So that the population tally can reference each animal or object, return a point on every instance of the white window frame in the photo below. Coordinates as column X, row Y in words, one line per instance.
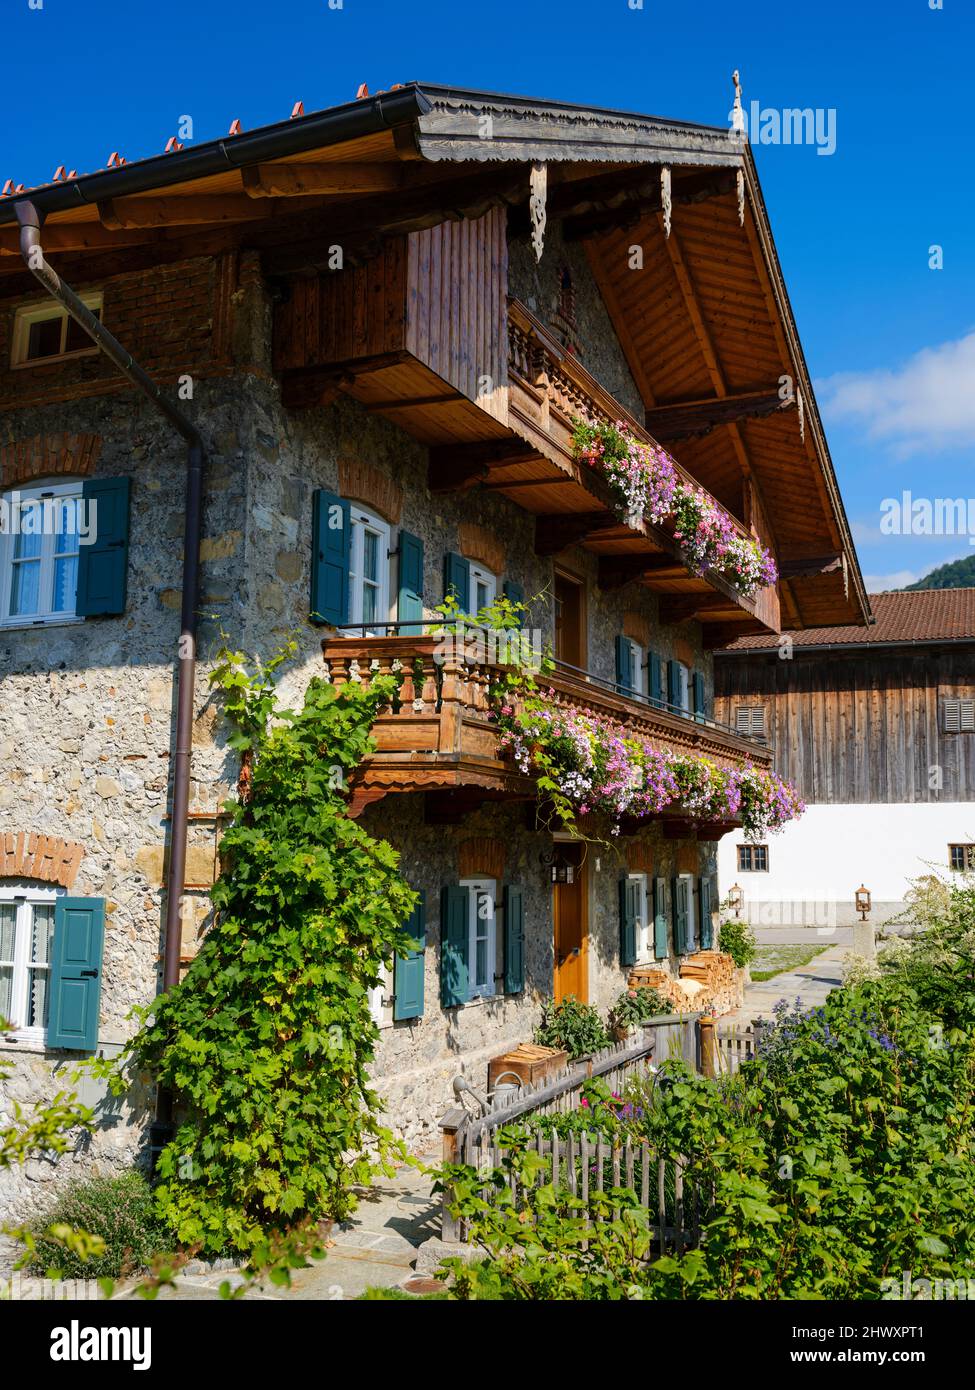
column 362, row 521
column 46, row 616
column 478, row 890
column 26, row 897
column 29, row 314
column 640, row 672
column 480, row 574
column 644, row 935
column 684, row 694
column 693, row 932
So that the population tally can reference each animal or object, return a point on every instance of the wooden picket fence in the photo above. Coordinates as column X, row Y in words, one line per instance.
column 734, row 1044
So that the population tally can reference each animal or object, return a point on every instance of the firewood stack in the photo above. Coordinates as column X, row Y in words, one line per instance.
column 708, row 980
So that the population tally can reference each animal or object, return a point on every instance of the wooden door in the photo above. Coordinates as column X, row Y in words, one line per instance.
column 570, row 644
column 569, row 916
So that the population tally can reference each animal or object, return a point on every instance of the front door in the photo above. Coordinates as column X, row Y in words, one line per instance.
column 571, row 930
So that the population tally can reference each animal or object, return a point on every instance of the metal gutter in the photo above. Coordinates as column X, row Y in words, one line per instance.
column 364, row 116
column 31, row 220
column 799, row 647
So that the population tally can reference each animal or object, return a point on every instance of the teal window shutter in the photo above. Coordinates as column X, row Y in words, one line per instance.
column 673, row 683
column 656, row 681
column 678, row 890
column 704, row 899
column 700, row 709
column 454, row 939
column 103, row 566
column 331, row 544
column 514, row 593
column 408, row 969
column 660, row 918
column 409, row 608
column 514, row 940
column 625, row 674
column 629, row 909
column 457, row 577
column 76, row 968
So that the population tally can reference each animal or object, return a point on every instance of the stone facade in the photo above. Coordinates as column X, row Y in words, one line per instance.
column 87, row 708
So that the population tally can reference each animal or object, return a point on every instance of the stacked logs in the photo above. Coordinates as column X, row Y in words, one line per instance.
column 708, row 980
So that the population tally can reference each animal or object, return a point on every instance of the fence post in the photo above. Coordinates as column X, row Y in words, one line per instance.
column 708, row 1044
column 449, row 1125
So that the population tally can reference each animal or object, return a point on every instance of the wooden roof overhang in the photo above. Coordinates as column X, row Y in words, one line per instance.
column 706, row 327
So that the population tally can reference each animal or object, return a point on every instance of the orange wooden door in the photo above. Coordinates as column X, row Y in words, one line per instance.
column 571, row 938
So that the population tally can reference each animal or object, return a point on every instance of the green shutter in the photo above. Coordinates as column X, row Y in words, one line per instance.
column 514, row 593
column 673, row 683
column 514, row 940
column 408, row 969
column 629, row 898
column 655, row 669
column 660, row 918
column 76, row 967
column 457, row 578
column 704, row 899
column 625, row 675
column 700, row 709
column 410, row 605
column 454, row 939
column 103, row 565
column 331, row 543
column 678, row 893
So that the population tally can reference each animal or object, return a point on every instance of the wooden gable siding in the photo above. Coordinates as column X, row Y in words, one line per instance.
column 860, row 727
column 438, row 296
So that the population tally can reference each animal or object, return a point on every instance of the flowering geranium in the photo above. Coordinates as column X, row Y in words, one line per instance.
column 644, row 477
column 586, row 763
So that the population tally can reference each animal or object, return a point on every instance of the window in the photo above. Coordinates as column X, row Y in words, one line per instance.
column 750, row 721
column 683, row 692
column 26, row 936
column 959, row 716
column 692, row 911
column 639, row 658
column 642, row 916
column 753, row 859
column 45, row 332
column 368, row 571
column 482, row 946
column 39, row 539
column 484, row 589
column 962, row 858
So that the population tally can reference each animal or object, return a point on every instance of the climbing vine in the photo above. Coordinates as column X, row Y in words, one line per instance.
column 268, row 1039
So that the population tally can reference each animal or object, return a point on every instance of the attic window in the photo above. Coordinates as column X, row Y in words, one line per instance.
column 959, row 716
column 46, row 333
column 750, row 721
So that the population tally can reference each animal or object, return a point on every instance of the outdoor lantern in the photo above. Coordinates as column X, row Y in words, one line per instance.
column 561, row 871
column 863, row 902
column 736, row 898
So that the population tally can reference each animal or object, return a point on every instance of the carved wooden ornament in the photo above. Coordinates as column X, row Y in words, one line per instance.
column 666, row 200
column 741, row 197
column 802, row 416
column 536, row 207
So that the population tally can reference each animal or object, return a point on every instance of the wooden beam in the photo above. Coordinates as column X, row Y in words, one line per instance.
column 293, row 180
column 616, row 571
column 817, row 564
column 77, row 236
column 682, row 608
column 457, row 467
column 556, row 532
column 120, row 214
column 631, row 205
column 691, row 419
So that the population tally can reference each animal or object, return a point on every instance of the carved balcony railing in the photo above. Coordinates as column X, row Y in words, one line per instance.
column 438, row 735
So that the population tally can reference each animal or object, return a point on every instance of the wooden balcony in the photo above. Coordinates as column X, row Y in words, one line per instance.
column 439, row 736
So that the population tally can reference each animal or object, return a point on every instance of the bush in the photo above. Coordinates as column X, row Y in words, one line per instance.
column 119, row 1209
column 737, row 940
column 637, row 1006
column 576, row 1027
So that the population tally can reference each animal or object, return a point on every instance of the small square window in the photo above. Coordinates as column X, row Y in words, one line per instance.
column 45, row 332
column 962, row 858
column 753, row 859
column 750, row 721
column 959, row 716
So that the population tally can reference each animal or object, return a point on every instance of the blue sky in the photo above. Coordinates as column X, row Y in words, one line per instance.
column 890, row 341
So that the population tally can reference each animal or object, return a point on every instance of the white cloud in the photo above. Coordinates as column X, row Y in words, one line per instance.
column 880, row 583
column 928, row 403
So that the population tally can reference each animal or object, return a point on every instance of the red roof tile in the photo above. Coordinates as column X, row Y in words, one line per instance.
column 923, row 615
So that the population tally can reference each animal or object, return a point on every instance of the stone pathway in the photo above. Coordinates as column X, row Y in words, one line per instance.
column 811, row 983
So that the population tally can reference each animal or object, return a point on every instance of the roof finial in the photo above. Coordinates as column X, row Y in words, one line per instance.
column 737, row 113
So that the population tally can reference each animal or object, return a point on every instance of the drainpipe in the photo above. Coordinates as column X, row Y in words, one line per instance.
column 30, row 221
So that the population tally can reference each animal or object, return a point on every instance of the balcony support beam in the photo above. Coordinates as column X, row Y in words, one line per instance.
column 458, row 467
column 556, row 532
column 616, row 571
column 682, row 608
column 693, row 419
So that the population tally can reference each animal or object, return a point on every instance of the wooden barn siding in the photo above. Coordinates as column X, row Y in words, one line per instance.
column 863, row 727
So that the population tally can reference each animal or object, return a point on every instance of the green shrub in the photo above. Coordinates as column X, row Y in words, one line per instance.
column 737, row 940
column 576, row 1027
column 119, row 1209
column 637, row 1006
